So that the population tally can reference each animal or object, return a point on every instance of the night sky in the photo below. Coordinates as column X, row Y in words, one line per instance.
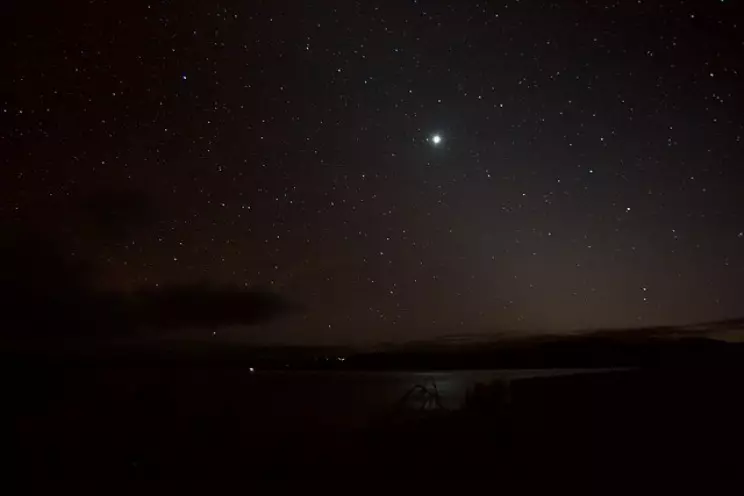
column 398, row 170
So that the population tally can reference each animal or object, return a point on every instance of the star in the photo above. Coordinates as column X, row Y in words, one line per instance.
column 493, row 170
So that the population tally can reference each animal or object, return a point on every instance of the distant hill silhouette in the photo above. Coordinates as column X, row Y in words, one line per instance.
column 642, row 347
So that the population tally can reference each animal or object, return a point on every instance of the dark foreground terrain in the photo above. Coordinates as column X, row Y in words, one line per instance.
column 124, row 427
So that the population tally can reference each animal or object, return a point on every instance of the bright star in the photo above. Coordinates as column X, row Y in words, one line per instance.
column 436, row 139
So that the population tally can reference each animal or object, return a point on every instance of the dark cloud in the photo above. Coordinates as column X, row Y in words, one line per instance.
column 112, row 214
column 48, row 294
column 42, row 291
column 203, row 306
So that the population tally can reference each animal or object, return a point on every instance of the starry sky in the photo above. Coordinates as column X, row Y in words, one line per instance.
column 398, row 169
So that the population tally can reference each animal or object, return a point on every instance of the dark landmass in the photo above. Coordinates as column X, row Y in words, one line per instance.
column 668, row 418
column 663, row 428
column 687, row 346
column 587, row 351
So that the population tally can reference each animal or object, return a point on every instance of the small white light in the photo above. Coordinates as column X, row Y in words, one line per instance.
column 436, row 139
column 251, row 369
